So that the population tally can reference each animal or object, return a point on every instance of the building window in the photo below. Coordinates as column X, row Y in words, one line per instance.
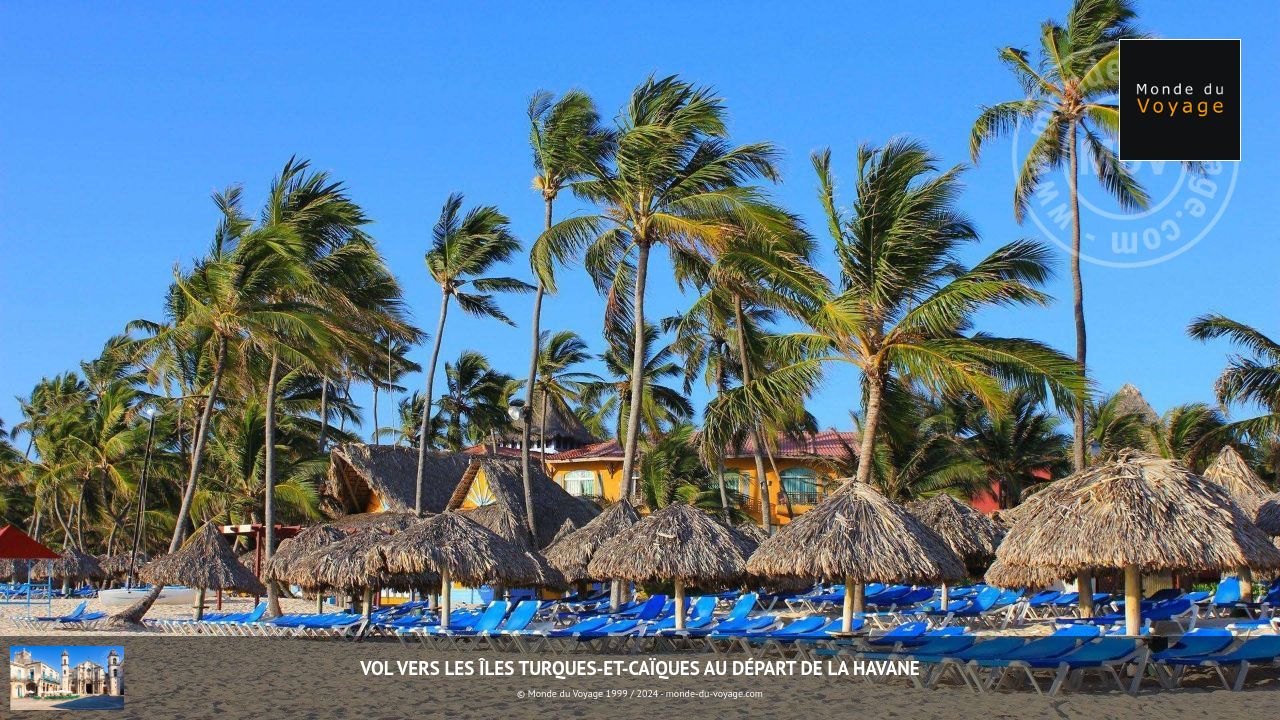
column 801, row 485
column 737, row 482
column 581, row 483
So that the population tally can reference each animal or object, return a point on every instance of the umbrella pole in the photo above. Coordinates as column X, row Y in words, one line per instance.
column 679, row 605
column 847, row 624
column 1246, row 584
column 615, row 595
column 368, row 602
column 1132, row 600
column 319, row 603
column 859, row 597
column 445, row 587
column 946, row 597
column 1084, row 585
column 200, row 605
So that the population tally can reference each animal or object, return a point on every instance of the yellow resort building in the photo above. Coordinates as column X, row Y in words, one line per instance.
column 804, row 471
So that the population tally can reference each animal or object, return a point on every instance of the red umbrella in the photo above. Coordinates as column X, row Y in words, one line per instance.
column 17, row 545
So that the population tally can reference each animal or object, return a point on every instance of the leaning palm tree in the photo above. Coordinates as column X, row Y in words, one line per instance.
column 903, row 300
column 463, row 248
column 674, row 183
column 1249, row 380
column 568, row 141
column 1069, row 93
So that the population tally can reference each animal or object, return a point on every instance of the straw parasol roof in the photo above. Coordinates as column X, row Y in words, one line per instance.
column 566, row 529
column 205, row 561
column 1137, row 510
column 678, row 542
column 504, row 522
column 291, row 550
column 860, row 535
column 1234, row 474
column 390, row 521
column 72, row 563
column 970, row 534
column 470, row 552
column 117, row 566
column 571, row 554
column 1268, row 517
column 1004, row 575
column 344, row 565
column 15, row 570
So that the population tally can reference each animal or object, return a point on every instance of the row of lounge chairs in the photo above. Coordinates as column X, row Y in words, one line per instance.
column 79, row 617
column 17, row 591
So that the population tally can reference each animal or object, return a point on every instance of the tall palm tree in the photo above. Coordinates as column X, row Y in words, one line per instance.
column 1070, row 85
column 662, row 407
column 463, row 248
column 675, row 182
column 568, row 141
column 384, row 372
column 475, row 403
column 903, row 300
column 1253, row 377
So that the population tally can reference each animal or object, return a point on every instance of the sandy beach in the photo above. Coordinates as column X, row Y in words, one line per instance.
column 188, row 678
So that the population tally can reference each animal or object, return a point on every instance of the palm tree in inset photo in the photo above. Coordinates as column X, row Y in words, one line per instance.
column 1069, row 90
column 675, row 183
column 464, row 247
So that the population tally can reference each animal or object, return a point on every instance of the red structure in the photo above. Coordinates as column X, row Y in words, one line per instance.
column 257, row 531
column 17, row 545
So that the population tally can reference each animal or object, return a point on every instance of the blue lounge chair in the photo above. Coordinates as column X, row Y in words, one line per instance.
column 1059, row 643
column 1103, row 655
column 798, row 643
column 518, row 621
column 531, row 640
column 1201, row 641
column 1226, row 595
column 492, row 616
column 937, row 665
column 1264, row 649
column 1180, row 611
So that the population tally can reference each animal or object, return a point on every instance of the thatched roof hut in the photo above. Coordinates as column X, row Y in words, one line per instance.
column 206, row 562
column 279, row 567
column 1137, row 513
column 861, row 536
column 1003, row 575
column 457, row 548
column 567, row 528
column 571, row 554
column 13, row 570
column 345, row 565
column 564, row 430
column 970, row 534
column 1231, row 471
column 72, row 564
column 679, row 543
column 117, row 566
column 1129, row 401
column 1268, row 517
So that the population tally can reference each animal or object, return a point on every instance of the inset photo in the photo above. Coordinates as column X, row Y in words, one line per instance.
column 66, row 677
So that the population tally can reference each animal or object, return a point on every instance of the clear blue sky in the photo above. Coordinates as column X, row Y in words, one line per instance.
column 115, row 126
column 51, row 655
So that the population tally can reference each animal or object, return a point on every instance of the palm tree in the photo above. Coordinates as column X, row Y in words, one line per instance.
column 1078, row 72
column 1018, row 443
column 919, row 457
column 385, row 371
column 1253, row 377
column 1112, row 425
column 904, row 300
column 662, row 407
column 1191, row 432
column 559, row 385
column 675, row 182
column 568, row 141
column 670, row 471
column 463, row 248
column 475, row 403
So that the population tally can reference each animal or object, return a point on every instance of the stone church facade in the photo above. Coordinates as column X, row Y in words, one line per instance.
column 30, row 678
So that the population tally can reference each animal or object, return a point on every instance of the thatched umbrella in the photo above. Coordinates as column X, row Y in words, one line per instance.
column 13, row 570
column 293, row 549
column 1137, row 513
column 344, row 566
column 1268, row 518
column 205, row 562
column 678, row 543
column 390, row 521
column 571, row 554
column 861, row 536
column 72, row 564
column 970, row 534
column 117, row 566
column 567, row 528
column 1234, row 474
column 458, row 549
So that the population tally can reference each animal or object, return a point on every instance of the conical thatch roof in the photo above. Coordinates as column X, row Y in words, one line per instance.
column 117, row 566
column 501, row 520
column 1268, row 517
column 472, row 553
column 1004, row 575
column 205, row 561
column 344, row 565
column 570, row 555
column 970, row 534
column 290, row 551
column 389, row 521
column 567, row 528
column 560, row 422
column 552, row 505
column 14, row 570
column 1129, row 401
column 1234, row 474
column 678, row 542
column 72, row 563
column 860, row 535
column 1135, row 510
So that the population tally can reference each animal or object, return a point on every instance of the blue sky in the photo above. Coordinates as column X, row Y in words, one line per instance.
column 116, row 126
column 51, row 655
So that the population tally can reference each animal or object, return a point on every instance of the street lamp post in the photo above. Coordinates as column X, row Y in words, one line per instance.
column 150, row 412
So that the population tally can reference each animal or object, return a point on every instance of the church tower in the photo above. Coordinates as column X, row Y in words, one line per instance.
column 66, row 673
column 113, row 673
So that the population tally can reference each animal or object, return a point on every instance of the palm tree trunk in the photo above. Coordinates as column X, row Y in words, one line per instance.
column 426, row 404
column 782, row 490
column 526, row 431
column 1077, row 287
column 324, row 411
column 872, row 416
column 744, row 361
column 133, row 614
column 375, row 414
column 637, row 373
column 724, row 493
column 269, row 483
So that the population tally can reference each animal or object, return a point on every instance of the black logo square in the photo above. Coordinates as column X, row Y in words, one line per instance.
column 1180, row 99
